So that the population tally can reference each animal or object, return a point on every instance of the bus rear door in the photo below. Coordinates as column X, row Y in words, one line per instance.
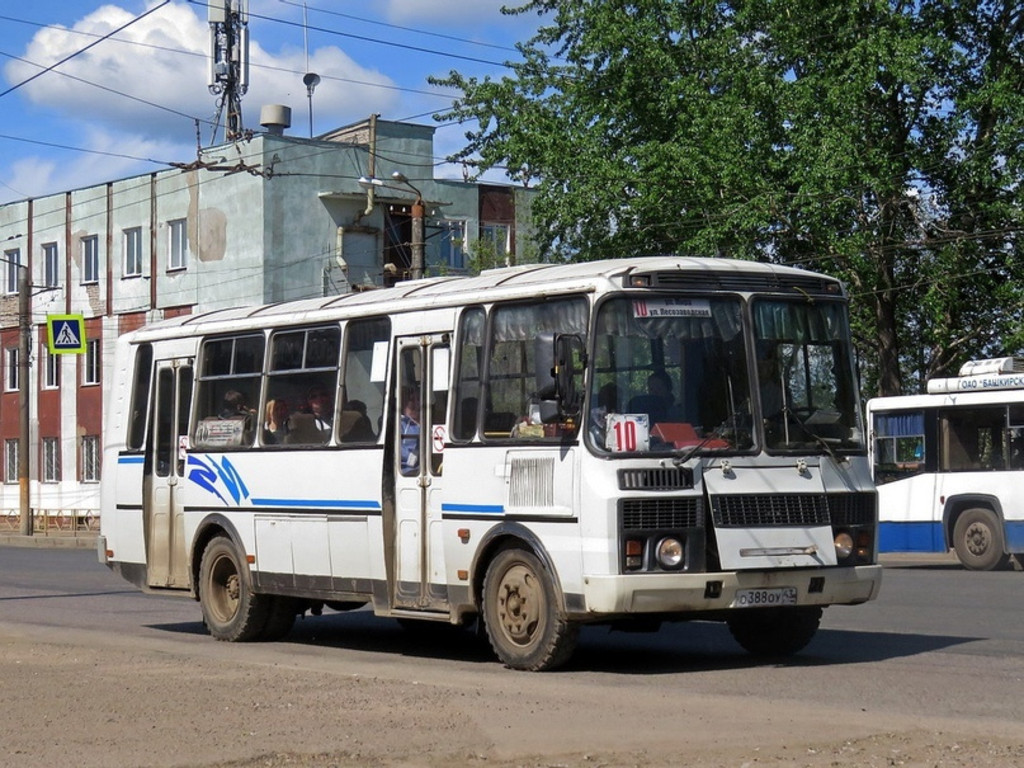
column 163, row 507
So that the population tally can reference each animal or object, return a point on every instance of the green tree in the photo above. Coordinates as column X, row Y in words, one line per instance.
column 874, row 139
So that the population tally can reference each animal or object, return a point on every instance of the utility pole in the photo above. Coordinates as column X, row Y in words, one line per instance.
column 229, row 59
column 24, row 349
column 418, row 212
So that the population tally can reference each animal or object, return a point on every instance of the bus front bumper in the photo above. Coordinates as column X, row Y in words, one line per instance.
column 699, row 592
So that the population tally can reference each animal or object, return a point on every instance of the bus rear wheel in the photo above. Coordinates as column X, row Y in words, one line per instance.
column 774, row 632
column 979, row 542
column 521, row 614
column 231, row 610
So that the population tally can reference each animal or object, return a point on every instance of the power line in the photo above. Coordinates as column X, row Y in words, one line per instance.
column 86, row 48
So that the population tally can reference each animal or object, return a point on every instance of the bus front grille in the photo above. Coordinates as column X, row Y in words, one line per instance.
column 648, row 514
column 767, row 510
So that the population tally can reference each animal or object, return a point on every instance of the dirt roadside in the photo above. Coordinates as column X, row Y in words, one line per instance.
column 72, row 700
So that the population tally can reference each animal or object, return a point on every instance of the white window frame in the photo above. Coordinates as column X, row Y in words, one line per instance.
column 177, row 244
column 90, row 458
column 91, row 363
column 52, row 379
column 500, row 235
column 51, row 460
column 12, row 264
column 11, row 371
column 51, row 265
column 11, row 461
column 90, row 259
column 132, row 238
column 453, row 243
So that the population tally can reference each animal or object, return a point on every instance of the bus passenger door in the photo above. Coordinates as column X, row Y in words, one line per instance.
column 420, row 431
column 166, row 557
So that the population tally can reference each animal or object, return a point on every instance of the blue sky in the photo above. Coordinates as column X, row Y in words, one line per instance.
column 129, row 104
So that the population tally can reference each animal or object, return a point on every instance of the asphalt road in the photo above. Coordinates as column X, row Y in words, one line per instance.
column 939, row 656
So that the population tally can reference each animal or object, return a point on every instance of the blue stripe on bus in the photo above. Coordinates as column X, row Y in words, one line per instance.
column 131, row 459
column 1014, row 535
column 330, row 503
column 911, row 537
column 487, row 509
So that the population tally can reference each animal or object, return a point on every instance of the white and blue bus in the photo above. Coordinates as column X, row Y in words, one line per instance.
column 532, row 449
column 949, row 465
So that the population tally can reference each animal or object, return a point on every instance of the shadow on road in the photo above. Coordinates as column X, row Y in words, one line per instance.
column 676, row 647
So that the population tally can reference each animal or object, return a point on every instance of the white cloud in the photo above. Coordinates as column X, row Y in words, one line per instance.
column 163, row 59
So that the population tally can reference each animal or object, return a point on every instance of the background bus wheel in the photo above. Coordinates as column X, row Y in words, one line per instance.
column 775, row 632
column 231, row 610
column 978, row 540
column 281, row 613
column 521, row 614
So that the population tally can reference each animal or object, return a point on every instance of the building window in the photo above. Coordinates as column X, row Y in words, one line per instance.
column 51, row 459
column 91, row 458
column 51, row 265
column 495, row 241
column 133, row 252
column 12, row 266
column 177, row 249
column 453, row 238
column 91, row 373
column 11, row 369
column 90, row 259
column 52, row 380
column 11, row 461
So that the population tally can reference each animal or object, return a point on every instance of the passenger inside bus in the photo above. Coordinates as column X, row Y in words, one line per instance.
column 275, row 425
column 659, row 403
column 410, row 427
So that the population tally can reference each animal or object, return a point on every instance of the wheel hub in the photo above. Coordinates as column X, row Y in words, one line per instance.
column 977, row 539
column 519, row 607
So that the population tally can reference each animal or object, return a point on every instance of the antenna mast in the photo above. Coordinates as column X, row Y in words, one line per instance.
column 229, row 59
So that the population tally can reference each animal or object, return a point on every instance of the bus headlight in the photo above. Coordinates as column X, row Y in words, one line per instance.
column 670, row 553
column 844, row 545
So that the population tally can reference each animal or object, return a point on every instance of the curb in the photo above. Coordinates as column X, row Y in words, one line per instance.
column 87, row 541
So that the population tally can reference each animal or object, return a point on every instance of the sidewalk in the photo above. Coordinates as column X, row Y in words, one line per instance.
column 50, row 540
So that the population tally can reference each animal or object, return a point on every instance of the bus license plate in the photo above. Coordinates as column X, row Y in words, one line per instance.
column 764, row 598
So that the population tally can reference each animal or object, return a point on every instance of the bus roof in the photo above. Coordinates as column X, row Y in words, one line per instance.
column 670, row 272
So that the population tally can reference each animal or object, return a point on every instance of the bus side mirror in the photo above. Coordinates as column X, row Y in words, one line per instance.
column 557, row 374
column 568, row 352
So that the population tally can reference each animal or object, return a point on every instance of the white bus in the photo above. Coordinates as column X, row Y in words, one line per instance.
column 949, row 465
column 592, row 447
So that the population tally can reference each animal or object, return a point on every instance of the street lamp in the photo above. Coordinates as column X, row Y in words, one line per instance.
column 418, row 211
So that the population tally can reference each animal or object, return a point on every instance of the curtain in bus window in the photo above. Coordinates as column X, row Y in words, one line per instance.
column 799, row 322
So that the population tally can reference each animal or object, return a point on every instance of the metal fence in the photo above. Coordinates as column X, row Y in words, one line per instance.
column 53, row 522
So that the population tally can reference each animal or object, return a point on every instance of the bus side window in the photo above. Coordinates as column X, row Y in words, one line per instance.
column 366, row 346
column 228, row 391
column 470, row 346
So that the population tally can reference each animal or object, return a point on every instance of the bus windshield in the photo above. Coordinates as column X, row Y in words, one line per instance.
column 669, row 374
column 805, row 377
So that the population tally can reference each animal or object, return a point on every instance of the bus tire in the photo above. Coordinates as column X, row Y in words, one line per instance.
column 774, row 632
column 521, row 615
column 979, row 542
column 231, row 610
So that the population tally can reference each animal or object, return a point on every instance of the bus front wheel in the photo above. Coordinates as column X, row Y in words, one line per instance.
column 774, row 632
column 979, row 542
column 521, row 614
column 231, row 610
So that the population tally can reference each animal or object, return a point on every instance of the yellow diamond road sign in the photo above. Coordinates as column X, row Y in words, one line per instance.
column 65, row 334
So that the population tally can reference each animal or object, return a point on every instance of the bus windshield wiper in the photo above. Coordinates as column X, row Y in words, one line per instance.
column 786, row 413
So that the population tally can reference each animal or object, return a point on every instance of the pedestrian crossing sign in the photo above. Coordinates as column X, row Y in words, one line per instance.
column 65, row 334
